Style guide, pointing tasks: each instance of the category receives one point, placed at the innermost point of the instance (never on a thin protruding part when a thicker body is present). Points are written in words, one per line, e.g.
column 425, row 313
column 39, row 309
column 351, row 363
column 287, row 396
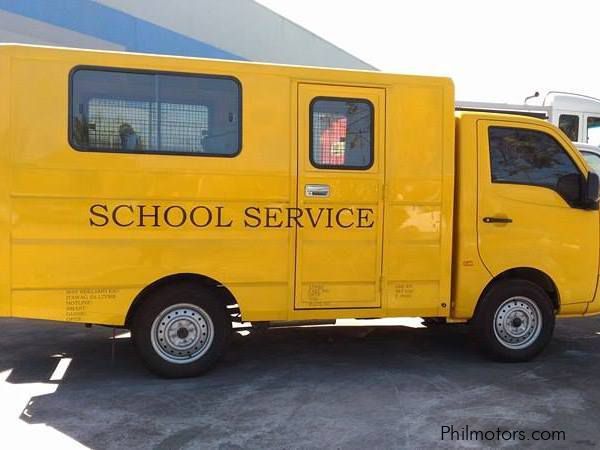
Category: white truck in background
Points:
column 577, row 115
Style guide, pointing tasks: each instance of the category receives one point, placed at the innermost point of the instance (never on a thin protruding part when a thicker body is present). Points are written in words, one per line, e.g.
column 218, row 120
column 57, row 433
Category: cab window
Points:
column 522, row 156
column 593, row 130
column 569, row 124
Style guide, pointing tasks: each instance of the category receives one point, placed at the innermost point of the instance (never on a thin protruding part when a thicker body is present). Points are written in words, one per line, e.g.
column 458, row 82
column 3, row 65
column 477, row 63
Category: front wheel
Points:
column 181, row 330
column 515, row 320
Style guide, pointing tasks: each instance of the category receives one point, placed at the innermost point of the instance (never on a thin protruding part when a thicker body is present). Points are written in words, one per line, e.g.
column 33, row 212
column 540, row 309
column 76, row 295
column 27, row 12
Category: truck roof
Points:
column 572, row 102
column 353, row 75
column 479, row 115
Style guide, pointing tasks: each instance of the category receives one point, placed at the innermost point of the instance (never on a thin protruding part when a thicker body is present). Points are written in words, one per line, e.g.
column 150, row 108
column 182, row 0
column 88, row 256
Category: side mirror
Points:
column 579, row 192
column 591, row 193
column 571, row 187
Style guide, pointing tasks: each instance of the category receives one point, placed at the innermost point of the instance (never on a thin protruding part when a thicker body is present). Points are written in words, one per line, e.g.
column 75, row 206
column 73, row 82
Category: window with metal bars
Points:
column 143, row 112
column 341, row 133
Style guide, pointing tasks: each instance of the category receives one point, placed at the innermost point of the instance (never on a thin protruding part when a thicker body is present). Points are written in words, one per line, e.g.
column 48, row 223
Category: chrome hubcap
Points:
column 517, row 323
column 182, row 333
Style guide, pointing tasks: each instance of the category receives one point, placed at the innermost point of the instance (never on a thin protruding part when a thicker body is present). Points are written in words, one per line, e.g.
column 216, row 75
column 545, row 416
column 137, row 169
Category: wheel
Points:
column 181, row 330
column 515, row 320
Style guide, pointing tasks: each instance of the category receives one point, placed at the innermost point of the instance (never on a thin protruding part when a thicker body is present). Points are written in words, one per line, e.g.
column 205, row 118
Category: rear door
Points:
column 523, row 220
column 340, row 196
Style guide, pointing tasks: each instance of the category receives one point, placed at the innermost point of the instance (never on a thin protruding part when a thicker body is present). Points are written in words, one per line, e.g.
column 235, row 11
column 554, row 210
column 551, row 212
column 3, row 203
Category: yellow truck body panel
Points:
column 83, row 233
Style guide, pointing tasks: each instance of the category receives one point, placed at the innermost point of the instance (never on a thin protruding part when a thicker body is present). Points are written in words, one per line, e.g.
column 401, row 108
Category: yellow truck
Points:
column 176, row 196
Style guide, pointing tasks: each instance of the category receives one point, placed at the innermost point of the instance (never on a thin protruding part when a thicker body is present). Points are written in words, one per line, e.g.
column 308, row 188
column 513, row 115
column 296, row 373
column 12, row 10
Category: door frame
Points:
column 306, row 93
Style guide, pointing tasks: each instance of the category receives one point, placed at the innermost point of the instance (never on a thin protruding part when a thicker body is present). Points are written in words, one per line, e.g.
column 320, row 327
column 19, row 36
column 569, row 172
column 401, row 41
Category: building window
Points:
column 569, row 124
column 521, row 156
column 341, row 133
column 143, row 112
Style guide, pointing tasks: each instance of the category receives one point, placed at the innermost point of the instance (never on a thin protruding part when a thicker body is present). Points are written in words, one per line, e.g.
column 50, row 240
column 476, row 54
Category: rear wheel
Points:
column 515, row 320
column 181, row 330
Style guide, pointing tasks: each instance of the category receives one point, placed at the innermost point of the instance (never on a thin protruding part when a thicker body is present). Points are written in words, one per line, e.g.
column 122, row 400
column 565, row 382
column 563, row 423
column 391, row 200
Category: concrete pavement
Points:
column 323, row 387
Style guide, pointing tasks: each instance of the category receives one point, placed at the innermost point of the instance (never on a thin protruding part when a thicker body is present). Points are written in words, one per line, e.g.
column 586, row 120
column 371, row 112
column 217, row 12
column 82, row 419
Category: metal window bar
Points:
column 134, row 125
column 334, row 136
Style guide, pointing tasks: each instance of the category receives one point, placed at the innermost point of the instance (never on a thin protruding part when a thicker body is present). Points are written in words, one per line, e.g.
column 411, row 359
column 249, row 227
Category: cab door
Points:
column 339, row 196
column 527, row 215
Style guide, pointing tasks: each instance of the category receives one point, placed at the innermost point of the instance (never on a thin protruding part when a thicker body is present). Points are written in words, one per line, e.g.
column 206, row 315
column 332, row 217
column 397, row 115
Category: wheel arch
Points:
column 223, row 292
column 535, row 276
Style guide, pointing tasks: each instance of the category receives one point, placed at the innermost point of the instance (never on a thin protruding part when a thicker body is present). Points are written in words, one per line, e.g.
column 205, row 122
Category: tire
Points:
column 515, row 321
column 181, row 330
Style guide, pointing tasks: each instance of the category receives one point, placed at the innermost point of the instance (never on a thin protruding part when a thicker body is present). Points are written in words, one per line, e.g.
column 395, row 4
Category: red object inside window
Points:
column 333, row 143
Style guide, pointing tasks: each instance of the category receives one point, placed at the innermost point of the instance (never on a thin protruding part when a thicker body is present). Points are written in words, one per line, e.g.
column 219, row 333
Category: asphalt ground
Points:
column 353, row 385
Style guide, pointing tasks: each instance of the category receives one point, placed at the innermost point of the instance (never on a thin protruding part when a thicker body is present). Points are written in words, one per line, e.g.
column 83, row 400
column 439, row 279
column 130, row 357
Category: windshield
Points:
column 593, row 160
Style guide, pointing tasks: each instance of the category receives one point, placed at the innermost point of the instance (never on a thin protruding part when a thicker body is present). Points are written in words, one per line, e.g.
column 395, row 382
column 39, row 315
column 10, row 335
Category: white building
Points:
column 231, row 29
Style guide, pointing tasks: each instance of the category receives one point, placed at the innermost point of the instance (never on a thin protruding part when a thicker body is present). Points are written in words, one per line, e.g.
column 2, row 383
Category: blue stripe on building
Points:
column 94, row 19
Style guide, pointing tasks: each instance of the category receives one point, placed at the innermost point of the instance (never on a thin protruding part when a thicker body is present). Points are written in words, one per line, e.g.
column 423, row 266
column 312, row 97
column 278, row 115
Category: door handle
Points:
column 497, row 220
column 316, row 190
